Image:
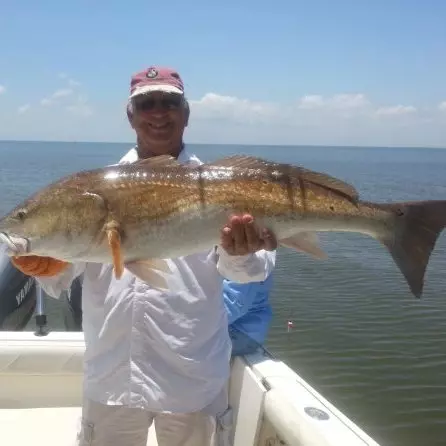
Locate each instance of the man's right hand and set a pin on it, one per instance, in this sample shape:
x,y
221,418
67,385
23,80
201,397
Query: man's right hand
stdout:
x,y
38,266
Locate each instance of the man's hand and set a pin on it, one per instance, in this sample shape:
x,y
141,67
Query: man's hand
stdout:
x,y
241,236
39,266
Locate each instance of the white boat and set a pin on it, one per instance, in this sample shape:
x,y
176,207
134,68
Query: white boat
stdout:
x,y
40,398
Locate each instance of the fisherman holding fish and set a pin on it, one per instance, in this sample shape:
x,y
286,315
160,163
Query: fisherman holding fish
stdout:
x,y
156,332
155,326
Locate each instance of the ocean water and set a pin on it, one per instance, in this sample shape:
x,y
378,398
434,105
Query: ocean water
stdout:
x,y
359,336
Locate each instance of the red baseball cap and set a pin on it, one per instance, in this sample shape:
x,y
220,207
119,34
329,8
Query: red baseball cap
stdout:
x,y
156,79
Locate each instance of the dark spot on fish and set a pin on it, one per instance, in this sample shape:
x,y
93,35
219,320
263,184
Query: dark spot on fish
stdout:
x,y
68,235
21,215
332,208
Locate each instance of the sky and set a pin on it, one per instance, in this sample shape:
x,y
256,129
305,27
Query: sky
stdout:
x,y
345,72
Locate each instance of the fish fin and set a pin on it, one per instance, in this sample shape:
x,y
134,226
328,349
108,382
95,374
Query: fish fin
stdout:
x,y
114,243
150,271
417,228
307,242
240,161
330,183
292,171
94,197
159,160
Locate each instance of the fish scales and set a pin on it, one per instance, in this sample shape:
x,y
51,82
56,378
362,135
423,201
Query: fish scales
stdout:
x,y
159,193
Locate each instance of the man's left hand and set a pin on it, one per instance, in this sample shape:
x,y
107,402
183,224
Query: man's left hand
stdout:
x,y
241,236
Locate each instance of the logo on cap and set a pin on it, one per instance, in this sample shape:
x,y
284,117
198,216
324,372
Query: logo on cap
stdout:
x,y
152,73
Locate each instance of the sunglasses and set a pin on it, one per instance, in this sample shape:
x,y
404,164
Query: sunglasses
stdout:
x,y
166,102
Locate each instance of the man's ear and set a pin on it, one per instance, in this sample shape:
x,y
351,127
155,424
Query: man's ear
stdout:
x,y
129,110
186,113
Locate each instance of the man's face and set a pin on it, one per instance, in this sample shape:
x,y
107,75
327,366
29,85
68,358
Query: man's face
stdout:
x,y
159,120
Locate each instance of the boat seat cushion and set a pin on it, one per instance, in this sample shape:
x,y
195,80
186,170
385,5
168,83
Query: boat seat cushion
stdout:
x,y
53,426
49,426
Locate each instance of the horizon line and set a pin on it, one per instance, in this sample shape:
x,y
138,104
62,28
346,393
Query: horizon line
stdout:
x,y
230,144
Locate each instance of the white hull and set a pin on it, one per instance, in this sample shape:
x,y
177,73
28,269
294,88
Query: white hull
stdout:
x,y
41,383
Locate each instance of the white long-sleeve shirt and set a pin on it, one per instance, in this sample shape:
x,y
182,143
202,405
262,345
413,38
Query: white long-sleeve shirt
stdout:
x,y
159,350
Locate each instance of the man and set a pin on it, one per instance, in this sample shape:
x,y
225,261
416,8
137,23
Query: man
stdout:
x,y
249,313
151,355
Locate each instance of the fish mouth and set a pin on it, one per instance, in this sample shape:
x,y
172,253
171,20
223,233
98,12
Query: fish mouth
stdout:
x,y
15,245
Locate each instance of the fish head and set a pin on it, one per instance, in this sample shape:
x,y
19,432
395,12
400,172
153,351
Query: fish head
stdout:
x,y
57,221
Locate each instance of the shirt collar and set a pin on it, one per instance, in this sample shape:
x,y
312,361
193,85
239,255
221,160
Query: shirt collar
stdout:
x,y
184,157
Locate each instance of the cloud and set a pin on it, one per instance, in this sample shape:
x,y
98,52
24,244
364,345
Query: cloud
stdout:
x,y
302,111
69,90
442,106
336,102
213,106
46,101
2,89
60,93
310,102
339,119
71,82
80,107
69,98
23,109
307,109
396,110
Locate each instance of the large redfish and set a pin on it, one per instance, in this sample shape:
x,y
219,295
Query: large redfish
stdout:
x,y
158,208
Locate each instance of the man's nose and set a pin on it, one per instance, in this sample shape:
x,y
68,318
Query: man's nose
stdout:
x,y
156,111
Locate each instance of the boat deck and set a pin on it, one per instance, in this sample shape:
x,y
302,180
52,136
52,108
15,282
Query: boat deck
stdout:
x,y
56,426
41,394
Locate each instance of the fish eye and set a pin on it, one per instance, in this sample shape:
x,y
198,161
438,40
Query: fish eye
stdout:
x,y
20,214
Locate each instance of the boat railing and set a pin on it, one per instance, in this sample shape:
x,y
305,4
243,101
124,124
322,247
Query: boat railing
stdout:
x,y
297,412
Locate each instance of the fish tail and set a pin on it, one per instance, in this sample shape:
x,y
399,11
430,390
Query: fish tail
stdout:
x,y
418,226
